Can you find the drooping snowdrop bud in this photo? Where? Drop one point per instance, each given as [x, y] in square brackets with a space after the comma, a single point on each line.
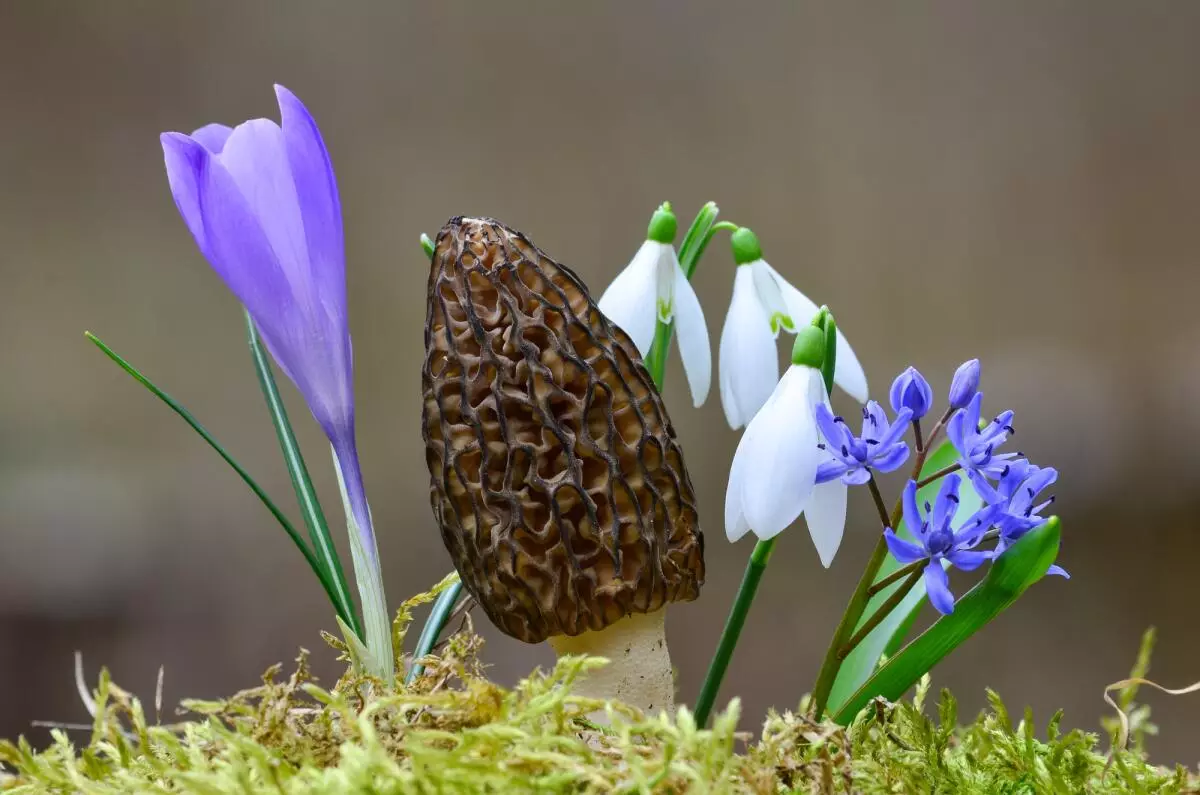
[773, 477]
[652, 289]
[763, 304]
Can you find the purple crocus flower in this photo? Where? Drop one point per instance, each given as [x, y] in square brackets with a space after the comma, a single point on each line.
[911, 391]
[936, 540]
[851, 457]
[262, 203]
[977, 448]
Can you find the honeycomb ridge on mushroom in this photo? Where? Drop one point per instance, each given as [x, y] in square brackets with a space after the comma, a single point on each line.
[555, 475]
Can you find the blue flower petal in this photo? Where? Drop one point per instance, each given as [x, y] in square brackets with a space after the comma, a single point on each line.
[1058, 571]
[892, 459]
[213, 137]
[903, 551]
[937, 585]
[967, 560]
[912, 516]
[856, 476]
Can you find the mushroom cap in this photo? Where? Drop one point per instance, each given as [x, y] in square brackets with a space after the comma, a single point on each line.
[555, 474]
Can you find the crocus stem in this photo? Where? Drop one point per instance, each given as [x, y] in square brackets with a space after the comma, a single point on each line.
[733, 629]
[888, 606]
[941, 473]
[367, 572]
[694, 243]
[306, 494]
[438, 616]
[862, 592]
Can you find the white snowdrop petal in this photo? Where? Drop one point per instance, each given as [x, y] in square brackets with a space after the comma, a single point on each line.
[748, 359]
[848, 371]
[826, 517]
[631, 300]
[692, 333]
[779, 476]
[735, 516]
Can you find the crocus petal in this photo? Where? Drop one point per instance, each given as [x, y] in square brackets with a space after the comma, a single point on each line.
[748, 360]
[783, 455]
[692, 333]
[212, 137]
[631, 300]
[967, 560]
[826, 518]
[903, 551]
[256, 157]
[847, 373]
[937, 585]
[223, 225]
[316, 190]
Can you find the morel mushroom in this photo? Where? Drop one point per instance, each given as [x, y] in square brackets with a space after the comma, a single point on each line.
[556, 477]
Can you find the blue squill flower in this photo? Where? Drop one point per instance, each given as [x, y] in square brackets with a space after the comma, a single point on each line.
[965, 384]
[937, 540]
[911, 391]
[851, 457]
[977, 448]
[262, 203]
[1015, 496]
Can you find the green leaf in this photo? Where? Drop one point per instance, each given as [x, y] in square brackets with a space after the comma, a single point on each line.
[891, 632]
[1023, 564]
[306, 494]
[438, 617]
[178, 408]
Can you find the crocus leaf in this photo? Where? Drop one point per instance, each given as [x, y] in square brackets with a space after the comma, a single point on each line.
[1021, 565]
[306, 494]
[890, 634]
[187, 417]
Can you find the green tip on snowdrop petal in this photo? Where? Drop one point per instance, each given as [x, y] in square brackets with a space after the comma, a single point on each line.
[809, 350]
[745, 246]
[662, 225]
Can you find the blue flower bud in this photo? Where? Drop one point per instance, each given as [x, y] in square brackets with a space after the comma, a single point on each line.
[965, 384]
[911, 391]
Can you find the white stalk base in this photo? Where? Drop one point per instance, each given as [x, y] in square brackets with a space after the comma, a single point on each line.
[639, 668]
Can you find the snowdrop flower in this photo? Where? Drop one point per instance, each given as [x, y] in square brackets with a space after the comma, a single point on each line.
[262, 203]
[763, 304]
[652, 289]
[774, 474]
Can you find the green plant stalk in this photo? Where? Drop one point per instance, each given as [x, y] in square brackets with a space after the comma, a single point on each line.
[187, 417]
[861, 596]
[1021, 565]
[306, 494]
[698, 236]
[757, 565]
[432, 630]
[377, 623]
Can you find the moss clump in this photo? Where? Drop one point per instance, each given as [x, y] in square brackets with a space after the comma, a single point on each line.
[454, 731]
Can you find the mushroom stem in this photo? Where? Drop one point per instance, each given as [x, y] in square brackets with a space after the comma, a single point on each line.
[639, 668]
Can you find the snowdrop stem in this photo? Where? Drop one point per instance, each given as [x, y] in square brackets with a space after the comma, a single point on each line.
[880, 614]
[698, 236]
[755, 568]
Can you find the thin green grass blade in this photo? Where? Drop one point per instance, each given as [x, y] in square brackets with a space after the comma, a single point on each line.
[175, 406]
[891, 632]
[432, 630]
[1023, 564]
[306, 494]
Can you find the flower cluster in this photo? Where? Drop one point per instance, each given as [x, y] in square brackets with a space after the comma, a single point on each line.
[797, 457]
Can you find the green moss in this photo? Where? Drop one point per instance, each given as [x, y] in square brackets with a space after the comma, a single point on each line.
[454, 731]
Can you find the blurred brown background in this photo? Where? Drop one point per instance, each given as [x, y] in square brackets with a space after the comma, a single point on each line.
[1013, 181]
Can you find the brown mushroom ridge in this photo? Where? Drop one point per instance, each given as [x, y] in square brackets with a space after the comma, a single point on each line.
[555, 474]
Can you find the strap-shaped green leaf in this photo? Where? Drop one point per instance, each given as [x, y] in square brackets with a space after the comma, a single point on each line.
[306, 494]
[1023, 564]
[890, 633]
[187, 417]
